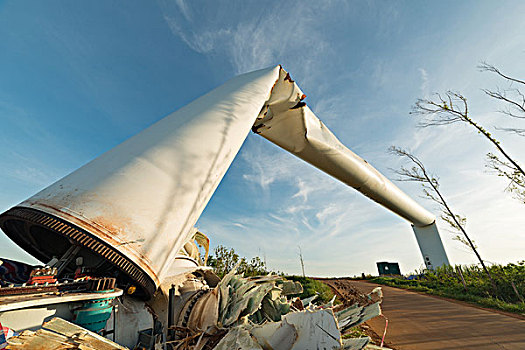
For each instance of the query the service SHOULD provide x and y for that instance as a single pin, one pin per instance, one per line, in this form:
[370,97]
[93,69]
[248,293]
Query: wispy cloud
[184,9]
[424,82]
[264,165]
[259,39]
[303,190]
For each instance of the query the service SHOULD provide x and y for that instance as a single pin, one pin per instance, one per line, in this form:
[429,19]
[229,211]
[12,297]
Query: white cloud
[424,82]
[292,209]
[183,7]
[257,40]
[303,190]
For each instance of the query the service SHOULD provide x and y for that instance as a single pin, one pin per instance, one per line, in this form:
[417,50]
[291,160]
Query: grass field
[312,287]
[474,287]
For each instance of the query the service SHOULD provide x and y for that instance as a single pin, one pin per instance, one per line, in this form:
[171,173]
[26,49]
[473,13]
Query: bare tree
[505,169]
[453,108]
[513,98]
[514,107]
[430,184]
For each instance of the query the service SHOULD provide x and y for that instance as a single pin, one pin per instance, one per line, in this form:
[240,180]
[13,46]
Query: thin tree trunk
[512,284]
[516,291]
[458,269]
[463,231]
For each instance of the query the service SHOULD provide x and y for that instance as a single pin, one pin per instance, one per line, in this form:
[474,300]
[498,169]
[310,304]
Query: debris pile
[348,294]
[238,313]
[258,313]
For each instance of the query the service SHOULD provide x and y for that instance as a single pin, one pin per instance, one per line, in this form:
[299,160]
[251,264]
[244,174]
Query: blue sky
[78,78]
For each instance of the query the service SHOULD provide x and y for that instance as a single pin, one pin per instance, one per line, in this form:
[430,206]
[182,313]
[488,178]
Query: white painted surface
[32,318]
[21,312]
[144,196]
[301,133]
[431,246]
[299,330]
[131,316]
[13,302]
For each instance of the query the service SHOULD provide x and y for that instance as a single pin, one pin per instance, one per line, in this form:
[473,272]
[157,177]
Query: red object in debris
[79,273]
[82,272]
[43,275]
[42,279]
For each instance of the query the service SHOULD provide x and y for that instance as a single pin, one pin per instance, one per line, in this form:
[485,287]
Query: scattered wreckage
[121,250]
[237,313]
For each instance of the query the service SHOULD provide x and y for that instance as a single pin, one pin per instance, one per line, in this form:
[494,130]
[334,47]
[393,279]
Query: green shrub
[224,260]
[312,287]
[446,282]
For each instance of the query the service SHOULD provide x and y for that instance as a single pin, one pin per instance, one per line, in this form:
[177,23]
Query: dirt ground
[417,321]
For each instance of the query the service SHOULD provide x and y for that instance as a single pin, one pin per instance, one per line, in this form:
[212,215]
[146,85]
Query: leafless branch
[453,108]
[507,170]
[444,110]
[514,98]
[502,96]
[430,184]
[517,131]
[464,241]
[486,67]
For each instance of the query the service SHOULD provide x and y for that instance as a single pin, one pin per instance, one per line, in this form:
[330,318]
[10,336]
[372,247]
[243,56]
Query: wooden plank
[41,340]
[61,326]
[62,335]
[80,335]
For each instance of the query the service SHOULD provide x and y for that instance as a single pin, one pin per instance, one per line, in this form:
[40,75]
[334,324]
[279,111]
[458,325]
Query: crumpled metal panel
[238,338]
[356,343]
[300,330]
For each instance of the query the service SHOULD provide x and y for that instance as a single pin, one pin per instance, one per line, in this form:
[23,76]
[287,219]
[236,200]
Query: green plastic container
[93,315]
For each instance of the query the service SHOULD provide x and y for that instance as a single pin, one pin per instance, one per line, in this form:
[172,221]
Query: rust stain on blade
[107,232]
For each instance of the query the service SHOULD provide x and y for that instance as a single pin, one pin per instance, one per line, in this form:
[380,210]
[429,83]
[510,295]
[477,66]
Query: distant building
[386,268]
